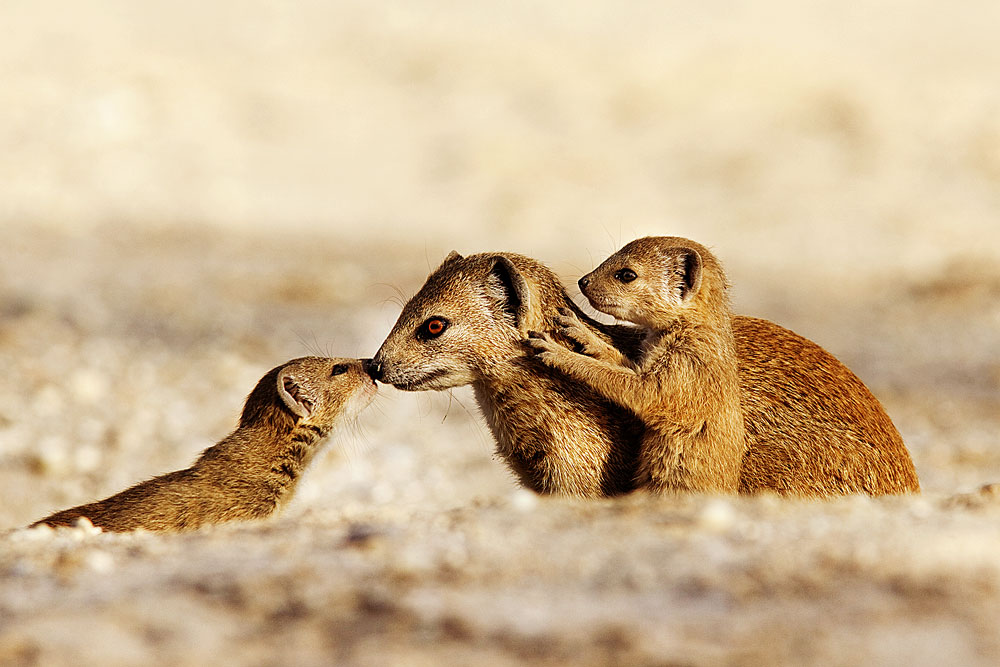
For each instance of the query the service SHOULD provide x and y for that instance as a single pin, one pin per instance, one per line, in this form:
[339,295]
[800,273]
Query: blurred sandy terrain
[192,193]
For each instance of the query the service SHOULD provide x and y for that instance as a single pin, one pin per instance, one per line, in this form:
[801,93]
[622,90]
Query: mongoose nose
[583,282]
[373,368]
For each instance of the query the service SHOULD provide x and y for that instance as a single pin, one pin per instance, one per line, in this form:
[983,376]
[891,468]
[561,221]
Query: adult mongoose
[253,471]
[812,427]
[684,385]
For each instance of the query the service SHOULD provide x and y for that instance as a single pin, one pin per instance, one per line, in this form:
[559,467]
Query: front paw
[570,327]
[541,347]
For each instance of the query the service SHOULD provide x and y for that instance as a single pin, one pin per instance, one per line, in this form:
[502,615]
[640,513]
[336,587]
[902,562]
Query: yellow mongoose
[812,427]
[684,386]
[252,472]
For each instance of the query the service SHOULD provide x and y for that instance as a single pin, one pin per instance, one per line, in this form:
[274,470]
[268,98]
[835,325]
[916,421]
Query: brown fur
[812,428]
[684,386]
[557,436]
[252,472]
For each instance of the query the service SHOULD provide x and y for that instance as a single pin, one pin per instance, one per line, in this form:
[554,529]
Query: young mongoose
[252,472]
[684,385]
[812,427]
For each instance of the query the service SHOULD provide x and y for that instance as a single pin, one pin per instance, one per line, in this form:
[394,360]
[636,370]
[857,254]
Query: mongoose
[252,472]
[812,427]
[465,326]
[684,385]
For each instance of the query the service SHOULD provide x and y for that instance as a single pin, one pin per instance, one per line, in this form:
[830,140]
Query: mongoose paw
[541,347]
[583,339]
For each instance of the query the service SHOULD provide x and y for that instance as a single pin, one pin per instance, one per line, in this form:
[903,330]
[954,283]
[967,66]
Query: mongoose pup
[252,472]
[684,385]
[812,427]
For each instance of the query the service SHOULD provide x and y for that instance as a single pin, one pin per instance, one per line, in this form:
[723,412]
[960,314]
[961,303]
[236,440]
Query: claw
[535,345]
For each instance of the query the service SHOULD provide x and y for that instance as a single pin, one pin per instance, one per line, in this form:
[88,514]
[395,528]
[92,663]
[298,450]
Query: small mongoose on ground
[812,427]
[252,472]
[684,386]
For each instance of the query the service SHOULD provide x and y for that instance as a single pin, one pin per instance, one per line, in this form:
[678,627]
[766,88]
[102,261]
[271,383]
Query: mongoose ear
[510,289]
[452,256]
[689,265]
[294,395]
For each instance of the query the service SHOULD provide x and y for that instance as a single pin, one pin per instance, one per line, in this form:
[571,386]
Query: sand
[193,194]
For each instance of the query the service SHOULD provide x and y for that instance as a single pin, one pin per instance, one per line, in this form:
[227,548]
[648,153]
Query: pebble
[523,500]
[83,528]
[100,562]
[88,385]
[717,515]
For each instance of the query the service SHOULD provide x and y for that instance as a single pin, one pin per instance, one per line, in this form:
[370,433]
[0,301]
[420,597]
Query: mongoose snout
[373,368]
[254,471]
[460,325]
[318,391]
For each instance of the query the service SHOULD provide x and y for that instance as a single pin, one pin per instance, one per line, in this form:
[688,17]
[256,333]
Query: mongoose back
[252,472]
[812,428]
[684,385]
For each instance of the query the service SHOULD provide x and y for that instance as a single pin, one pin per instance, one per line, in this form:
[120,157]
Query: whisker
[480,433]
[451,397]
[400,298]
[312,348]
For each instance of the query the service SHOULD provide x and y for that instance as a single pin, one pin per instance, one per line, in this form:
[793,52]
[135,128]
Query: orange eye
[433,327]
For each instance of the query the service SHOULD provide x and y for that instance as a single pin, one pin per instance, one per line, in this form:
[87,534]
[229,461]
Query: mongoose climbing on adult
[253,472]
[684,385]
[812,427]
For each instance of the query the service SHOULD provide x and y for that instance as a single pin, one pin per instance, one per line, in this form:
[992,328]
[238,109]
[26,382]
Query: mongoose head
[652,278]
[466,321]
[310,391]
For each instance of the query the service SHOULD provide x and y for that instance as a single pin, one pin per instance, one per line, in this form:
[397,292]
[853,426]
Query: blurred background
[841,139]
[191,193]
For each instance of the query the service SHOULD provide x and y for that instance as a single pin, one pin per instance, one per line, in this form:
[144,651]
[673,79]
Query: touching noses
[373,367]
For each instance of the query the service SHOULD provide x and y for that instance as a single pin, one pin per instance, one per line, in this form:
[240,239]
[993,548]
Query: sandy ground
[191,194]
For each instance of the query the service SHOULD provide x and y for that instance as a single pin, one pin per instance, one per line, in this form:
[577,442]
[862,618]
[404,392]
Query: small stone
[717,515]
[33,534]
[88,386]
[84,527]
[50,458]
[523,500]
[100,562]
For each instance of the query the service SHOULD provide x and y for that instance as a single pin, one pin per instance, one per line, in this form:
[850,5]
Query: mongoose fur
[252,472]
[684,386]
[812,427]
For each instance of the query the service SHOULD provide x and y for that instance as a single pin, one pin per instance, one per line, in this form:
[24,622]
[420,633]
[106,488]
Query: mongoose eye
[625,275]
[432,328]
[339,369]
